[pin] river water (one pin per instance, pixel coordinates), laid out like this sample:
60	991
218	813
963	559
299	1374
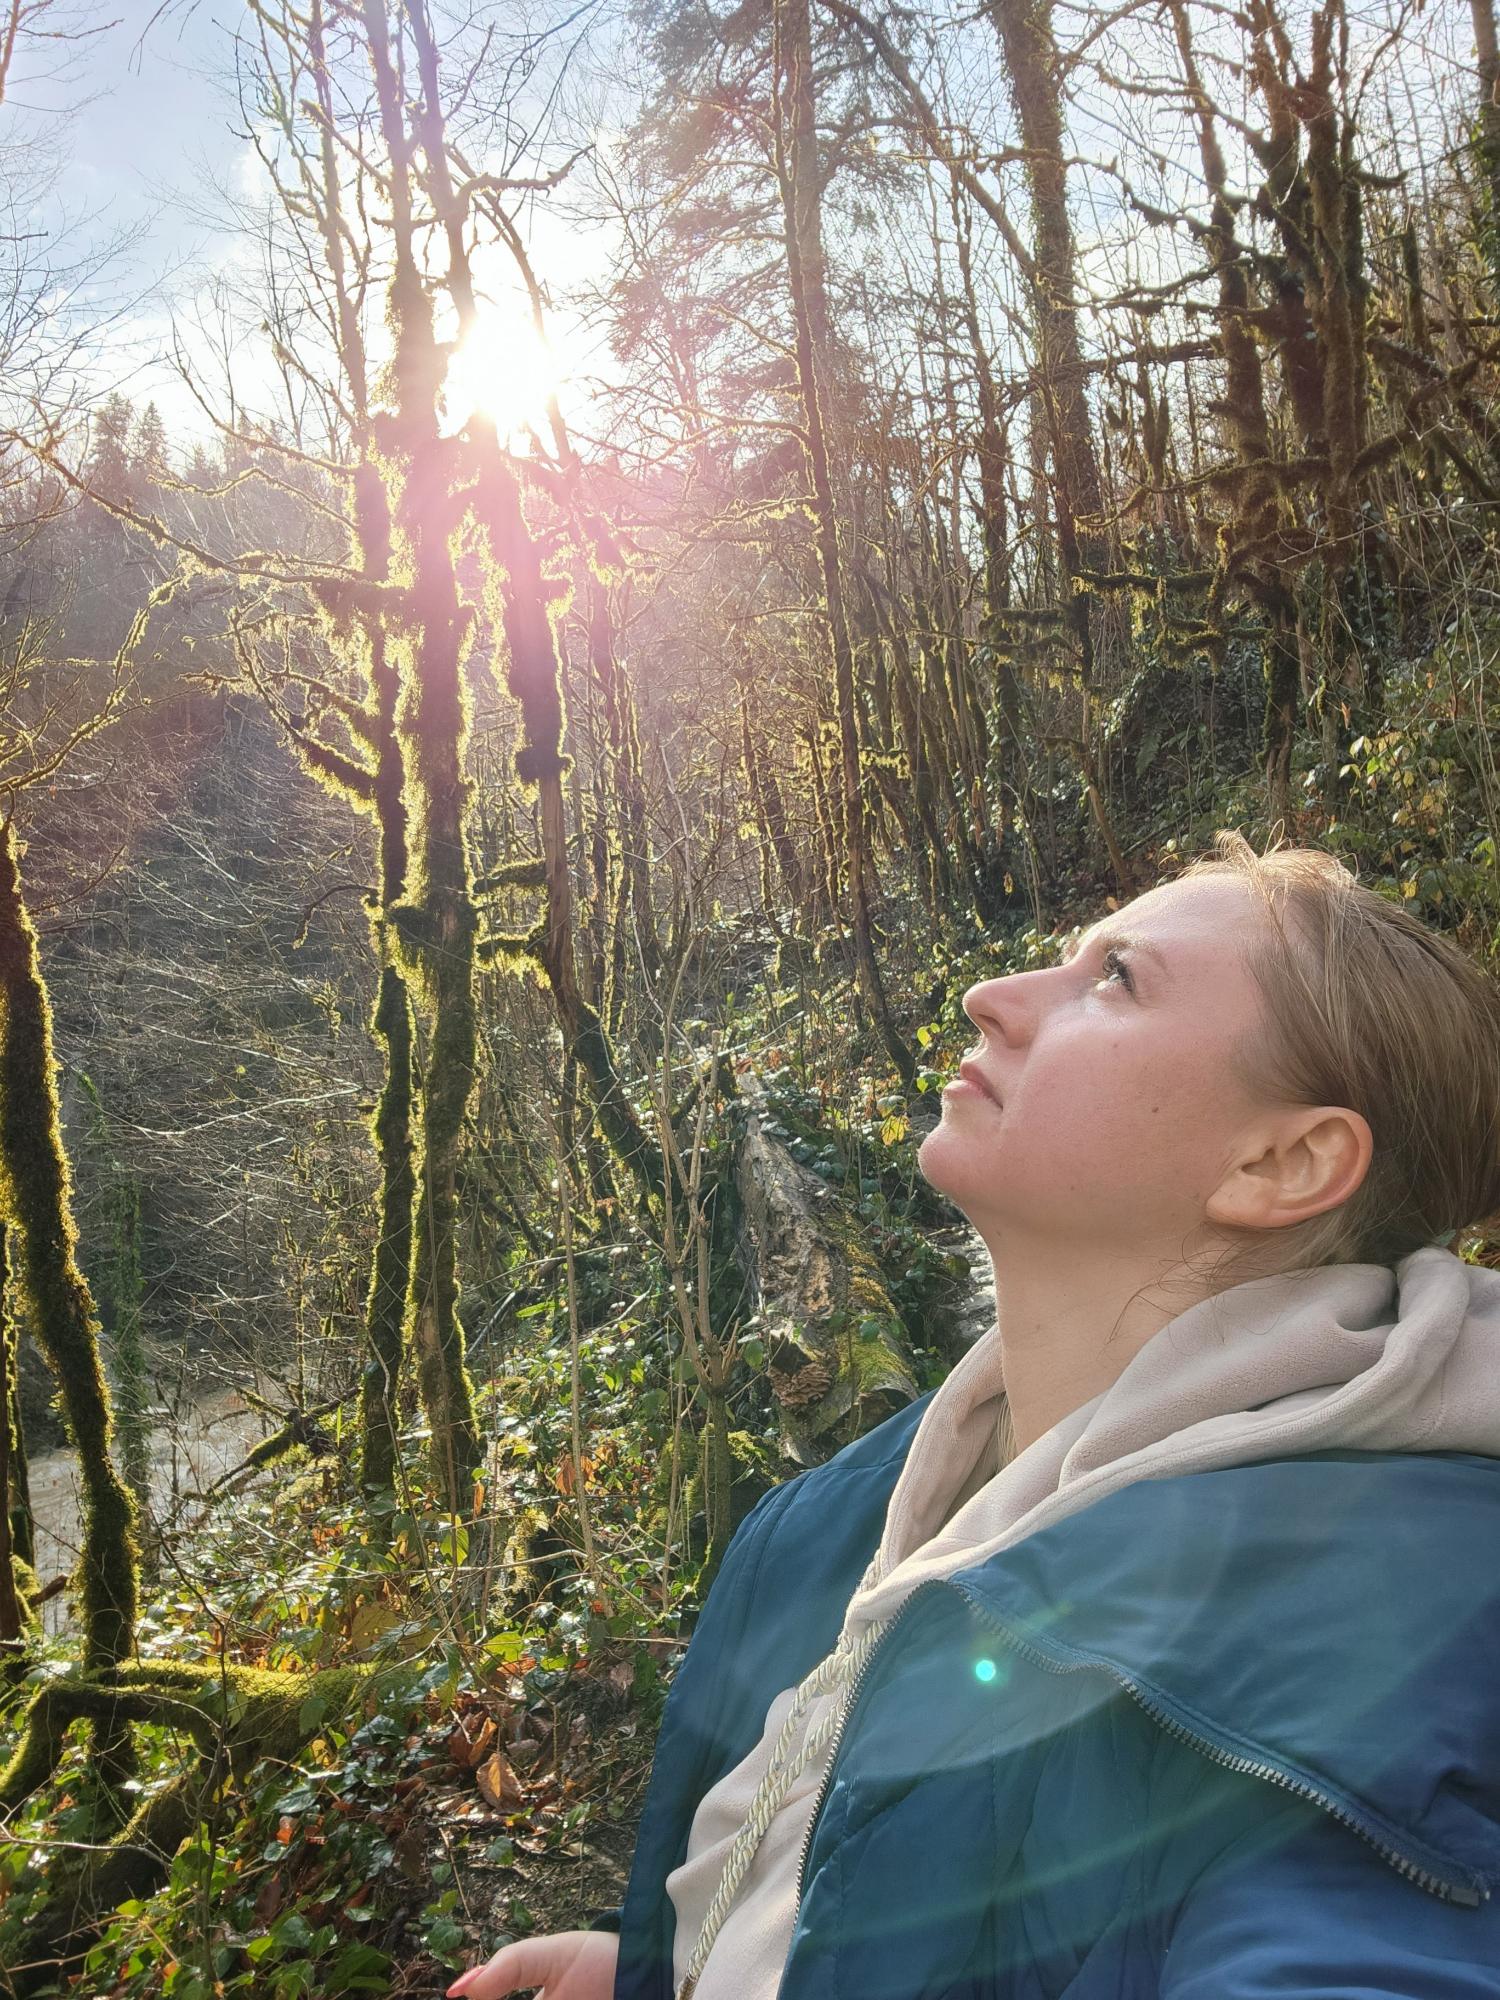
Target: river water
190	1449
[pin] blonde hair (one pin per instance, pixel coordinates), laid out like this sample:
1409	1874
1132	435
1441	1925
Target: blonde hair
1369	1008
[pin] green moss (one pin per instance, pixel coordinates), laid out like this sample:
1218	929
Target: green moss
18	1586
390	1276
36	1200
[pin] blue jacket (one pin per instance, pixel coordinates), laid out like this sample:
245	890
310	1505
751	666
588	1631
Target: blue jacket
1218	1737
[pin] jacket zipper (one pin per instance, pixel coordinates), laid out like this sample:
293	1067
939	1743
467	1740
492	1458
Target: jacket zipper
1466	1894
855	1689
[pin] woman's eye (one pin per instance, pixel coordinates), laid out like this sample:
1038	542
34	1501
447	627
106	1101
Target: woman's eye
1115	967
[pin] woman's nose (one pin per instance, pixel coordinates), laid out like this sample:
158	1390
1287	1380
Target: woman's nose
998	1006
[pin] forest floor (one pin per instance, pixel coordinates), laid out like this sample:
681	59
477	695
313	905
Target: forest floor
527	1838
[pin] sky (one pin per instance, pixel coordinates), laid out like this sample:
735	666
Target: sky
154	132
156	117
151	138
145	126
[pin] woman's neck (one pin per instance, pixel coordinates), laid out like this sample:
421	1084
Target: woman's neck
1071	1322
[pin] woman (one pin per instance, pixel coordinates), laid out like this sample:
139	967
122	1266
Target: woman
1185	1690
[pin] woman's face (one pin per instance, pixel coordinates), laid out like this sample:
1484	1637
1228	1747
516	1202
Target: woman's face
1103	1095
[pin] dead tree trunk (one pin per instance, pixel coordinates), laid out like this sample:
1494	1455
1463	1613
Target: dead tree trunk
837	1350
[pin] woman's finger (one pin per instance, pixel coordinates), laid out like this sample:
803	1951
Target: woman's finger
513	1968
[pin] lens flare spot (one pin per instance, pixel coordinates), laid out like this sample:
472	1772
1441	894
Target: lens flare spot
986	1671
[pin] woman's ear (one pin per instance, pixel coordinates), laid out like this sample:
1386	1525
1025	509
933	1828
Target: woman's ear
1311	1159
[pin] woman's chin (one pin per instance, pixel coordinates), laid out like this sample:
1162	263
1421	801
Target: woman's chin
948	1164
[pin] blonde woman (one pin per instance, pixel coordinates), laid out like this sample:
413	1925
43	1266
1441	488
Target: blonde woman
1171	1669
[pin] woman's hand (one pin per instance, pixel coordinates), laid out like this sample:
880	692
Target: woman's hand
572	1965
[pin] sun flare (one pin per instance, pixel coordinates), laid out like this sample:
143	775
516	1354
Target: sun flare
504	370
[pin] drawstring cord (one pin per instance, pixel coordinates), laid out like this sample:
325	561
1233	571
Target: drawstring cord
838	1672
789	1759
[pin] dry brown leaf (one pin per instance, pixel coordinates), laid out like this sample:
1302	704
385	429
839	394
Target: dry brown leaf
497	1782
472	1741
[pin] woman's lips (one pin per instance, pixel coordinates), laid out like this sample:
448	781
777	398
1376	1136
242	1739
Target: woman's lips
970	1076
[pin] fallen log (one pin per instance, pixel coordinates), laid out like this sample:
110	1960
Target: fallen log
837	1351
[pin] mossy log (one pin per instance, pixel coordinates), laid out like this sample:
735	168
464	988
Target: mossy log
236	1717
837	1350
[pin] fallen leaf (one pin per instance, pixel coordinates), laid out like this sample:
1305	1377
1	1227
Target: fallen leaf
472	1741
497	1782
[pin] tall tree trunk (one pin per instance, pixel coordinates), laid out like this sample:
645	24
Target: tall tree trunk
436	919
1283	682
532	674
1487	53
1024	28
390	1271
627	783
797	171
389	1288
528	599
37	1206
17	1497
10	1596
1257	501
778	851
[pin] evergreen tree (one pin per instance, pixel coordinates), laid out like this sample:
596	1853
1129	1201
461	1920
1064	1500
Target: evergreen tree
109	470
151	459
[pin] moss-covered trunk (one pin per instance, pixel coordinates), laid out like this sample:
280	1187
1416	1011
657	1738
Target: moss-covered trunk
436	921
15	1494
236	1718
532	675
440	930
390	1272
379	789
10	1590
36	1200
392	1126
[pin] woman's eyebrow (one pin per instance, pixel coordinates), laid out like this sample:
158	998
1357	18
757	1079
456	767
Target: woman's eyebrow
1121	940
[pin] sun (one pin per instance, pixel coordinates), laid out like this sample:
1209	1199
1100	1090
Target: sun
505	370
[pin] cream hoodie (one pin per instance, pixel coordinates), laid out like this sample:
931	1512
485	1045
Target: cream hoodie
1347	1357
